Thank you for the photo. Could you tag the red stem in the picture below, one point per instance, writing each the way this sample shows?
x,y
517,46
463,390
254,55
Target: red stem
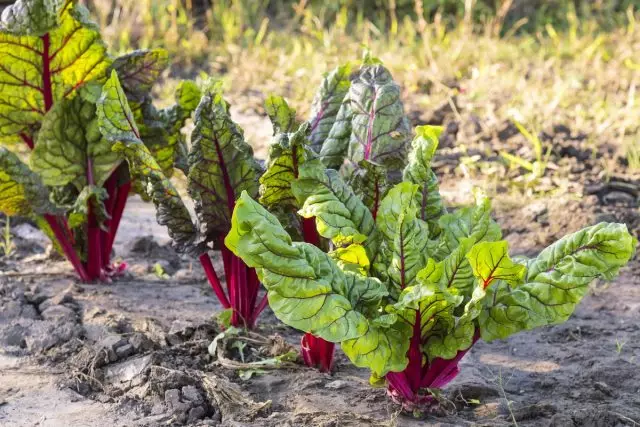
x,y
67,248
122,195
27,140
94,247
316,352
112,190
260,307
213,279
47,90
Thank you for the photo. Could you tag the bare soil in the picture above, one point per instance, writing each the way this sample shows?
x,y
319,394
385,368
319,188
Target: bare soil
x,y
134,352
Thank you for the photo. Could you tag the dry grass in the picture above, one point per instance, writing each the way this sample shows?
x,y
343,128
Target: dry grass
x,y
584,78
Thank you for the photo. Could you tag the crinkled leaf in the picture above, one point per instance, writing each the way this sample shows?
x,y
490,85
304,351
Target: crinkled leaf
x,y
287,154
21,190
93,196
70,147
380,130
352,258
460,336
31,17
490,261
283,117
70,55
326,104
114,116
139,70
473,222
419,171
335,146
340,215
369,182
410,249
306,288
556,280
399,198
383,348
221,166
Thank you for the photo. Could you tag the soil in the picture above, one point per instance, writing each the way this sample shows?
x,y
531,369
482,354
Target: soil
x,y
135,352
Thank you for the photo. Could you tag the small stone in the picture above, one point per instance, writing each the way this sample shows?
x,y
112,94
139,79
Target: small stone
x,y
14,335
29,312
59,313
172,397
129,373
110,344
191,394
124,351
182,327
140,342
336,385
62,297
604,388
196,413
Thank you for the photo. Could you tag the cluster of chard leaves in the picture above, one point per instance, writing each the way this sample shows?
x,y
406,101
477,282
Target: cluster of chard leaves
x,y
53,64
398,267
218,166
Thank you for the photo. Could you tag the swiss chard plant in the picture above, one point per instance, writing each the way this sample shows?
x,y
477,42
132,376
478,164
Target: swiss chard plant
x,y
52,66
408,291
357,125
219,166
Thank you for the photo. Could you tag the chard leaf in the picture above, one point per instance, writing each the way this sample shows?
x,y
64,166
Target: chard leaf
x,y
398,199
326,104
556,280
490,261
383,348
369,182
221,166
70,148
335,146
36,72
21,190
306,288
287,155
139,70
283,117
31,17
419,171
473,222
380,130
117,125
410,249
79,213
460,336
353,258
340,215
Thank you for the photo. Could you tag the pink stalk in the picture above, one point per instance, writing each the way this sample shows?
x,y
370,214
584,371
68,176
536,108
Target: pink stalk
x,y
213,279
111,186
122,195
69,252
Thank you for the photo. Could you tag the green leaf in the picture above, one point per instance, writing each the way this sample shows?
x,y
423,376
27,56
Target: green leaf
x,y
115,122
380,130
70,55
287,155
340,215
21,190
335,146
79,212
459,336
410,249
283,117
306,288
419,171
70,148
327,103
31,17
399,198
473,222
353,258
490,261
115,118
556,280
369,182
139,70
382,348
221,166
